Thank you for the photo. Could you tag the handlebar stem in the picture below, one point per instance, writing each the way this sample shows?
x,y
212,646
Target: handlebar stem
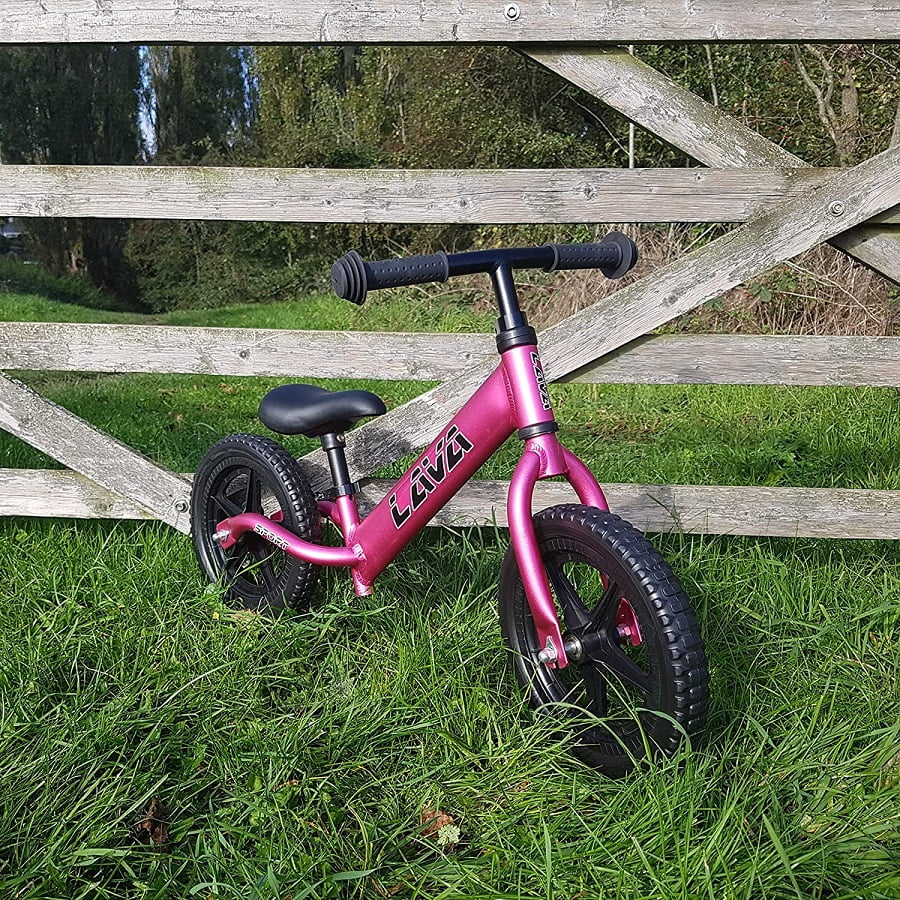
x,y
507,297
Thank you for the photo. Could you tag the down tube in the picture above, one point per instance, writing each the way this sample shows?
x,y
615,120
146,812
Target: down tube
x,y
478,429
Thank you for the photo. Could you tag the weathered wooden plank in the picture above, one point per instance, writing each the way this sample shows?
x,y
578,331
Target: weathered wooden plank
x,y
693,509
237,351
660,359
666,109
407,196
430,21
62,494
782,512
769,238
73,442
749,359
656,102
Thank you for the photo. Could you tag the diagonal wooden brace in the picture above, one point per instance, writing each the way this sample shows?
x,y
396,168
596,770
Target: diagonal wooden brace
x,y
90,452
766,240
655,102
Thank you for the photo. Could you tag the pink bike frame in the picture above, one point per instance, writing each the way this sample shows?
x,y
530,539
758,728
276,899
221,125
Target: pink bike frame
x,y
514,397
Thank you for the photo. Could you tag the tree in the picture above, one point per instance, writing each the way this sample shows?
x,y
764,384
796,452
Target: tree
x,y
836,94
73,105
197,99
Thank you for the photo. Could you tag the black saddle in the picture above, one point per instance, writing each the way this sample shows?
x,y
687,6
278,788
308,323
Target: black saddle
x,y
314,411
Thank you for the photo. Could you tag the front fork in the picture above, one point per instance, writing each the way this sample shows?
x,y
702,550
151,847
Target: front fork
x,y
544,457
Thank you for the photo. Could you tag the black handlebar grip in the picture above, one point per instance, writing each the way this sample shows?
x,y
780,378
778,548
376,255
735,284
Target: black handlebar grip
x,y
614,256
348,278
352,278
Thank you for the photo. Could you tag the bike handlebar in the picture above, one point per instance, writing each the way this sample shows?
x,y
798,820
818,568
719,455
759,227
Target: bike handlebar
x,y
352,278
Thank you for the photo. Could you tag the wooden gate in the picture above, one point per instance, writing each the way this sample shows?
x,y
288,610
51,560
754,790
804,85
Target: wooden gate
x,y
785,207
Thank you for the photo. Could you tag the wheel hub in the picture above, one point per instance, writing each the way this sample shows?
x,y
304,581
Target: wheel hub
x,y
581,648
574,647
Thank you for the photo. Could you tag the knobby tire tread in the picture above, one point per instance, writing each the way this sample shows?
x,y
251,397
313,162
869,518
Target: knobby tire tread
x,y
671,608
298,582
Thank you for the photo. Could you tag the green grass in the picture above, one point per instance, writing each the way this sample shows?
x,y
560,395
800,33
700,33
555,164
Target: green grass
x,y
295,757
32,308
298,754
413,311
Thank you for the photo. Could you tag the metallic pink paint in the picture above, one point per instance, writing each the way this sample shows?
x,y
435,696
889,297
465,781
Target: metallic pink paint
x,y
485,422
582,479
327,510
627,623
528,556
237,526
514,396
531,403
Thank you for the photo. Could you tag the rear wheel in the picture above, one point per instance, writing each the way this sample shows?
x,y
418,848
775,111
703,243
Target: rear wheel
x,y
249,473
636,682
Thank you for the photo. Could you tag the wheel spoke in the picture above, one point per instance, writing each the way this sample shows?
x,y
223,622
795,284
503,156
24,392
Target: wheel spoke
x,y
265,556
233,563
623,666
595,685
229,507
575,613
252,499
603,615
268,576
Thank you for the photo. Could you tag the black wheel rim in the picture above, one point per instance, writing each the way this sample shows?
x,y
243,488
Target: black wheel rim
x,y
252,568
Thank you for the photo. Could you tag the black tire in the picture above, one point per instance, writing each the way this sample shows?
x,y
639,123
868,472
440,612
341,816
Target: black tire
x,y
657,691
249,473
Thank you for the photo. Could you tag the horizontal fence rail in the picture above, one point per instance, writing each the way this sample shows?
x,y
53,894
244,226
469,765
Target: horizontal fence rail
x,y
659,359
435,21
683,359
518,196
691,509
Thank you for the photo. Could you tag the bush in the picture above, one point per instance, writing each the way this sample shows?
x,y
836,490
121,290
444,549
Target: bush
x,y
22,277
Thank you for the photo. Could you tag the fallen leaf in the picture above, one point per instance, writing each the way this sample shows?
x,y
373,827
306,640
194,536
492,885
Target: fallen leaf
x,y
294,782
442,827
434,820
153,828
400,885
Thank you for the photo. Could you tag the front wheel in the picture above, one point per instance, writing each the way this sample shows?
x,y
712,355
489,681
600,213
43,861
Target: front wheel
x,y
636,682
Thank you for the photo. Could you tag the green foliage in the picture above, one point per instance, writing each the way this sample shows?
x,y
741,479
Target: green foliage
x,y
198,100
21,277
763,86
73,105
190,265
69,104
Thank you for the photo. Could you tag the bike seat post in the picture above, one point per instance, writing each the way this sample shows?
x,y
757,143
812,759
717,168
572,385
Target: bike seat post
x,y
333,445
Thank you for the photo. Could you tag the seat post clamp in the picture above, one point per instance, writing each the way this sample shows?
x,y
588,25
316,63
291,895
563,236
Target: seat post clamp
x,y
345,490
